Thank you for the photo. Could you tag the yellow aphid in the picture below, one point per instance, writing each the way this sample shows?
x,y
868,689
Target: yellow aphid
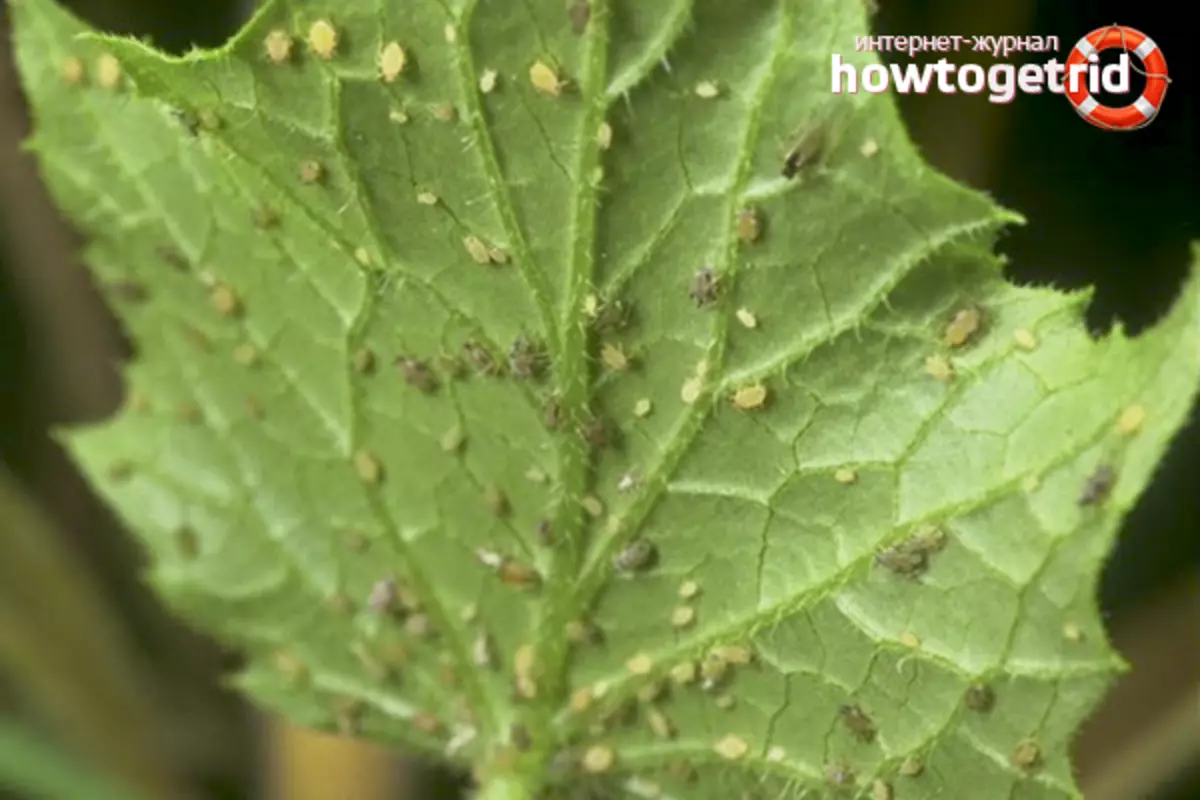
x,y
431,199
452,439
643,407
477,249
909,639
604,136
1072,632
726,702
776,754
707,90
939,368
398,116
598,759
881,790
660,724
545,79
641,664
869,148
487,81
691,389
523,661
246,355
581,699
593,505
683,616
614,357
362,256
73,70
749,226
1025,339
750,397
535,475
108,71
391,61
278,45
225,300
684,673
369,470
1030,483
845,476
689,589
747,318
734,654
1131,420
450,33
731,747
323,39
964,326
1027,756
311,172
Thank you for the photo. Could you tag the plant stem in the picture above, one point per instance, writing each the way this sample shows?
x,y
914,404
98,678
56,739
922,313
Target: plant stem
x,y
504,787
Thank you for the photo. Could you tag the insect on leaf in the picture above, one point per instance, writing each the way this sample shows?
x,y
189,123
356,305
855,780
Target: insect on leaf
x,y
446,223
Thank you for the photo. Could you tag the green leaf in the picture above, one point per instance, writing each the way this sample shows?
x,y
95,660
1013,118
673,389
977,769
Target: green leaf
x,y
30,765
301,228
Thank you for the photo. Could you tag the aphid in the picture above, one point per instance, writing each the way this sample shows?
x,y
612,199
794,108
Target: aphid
x,y
1097,488
581,699
643,407
614,357
417,374
660,724
845,476
363,361
523,665
445,112
348,717
516,573
641,664
311,172
651,691
108,71
911,767
129,291
369,470
909,639
735,654
604,136
383,596
226,301
776,754
427,198
278,46
427,723
705,287
545,533
964,326
1027,756
881,790
480,358
391,61
418,626
1131,420
322,39
189,412
749,398
73,71
683,673
731,748
747,318
265,217
911,556
804,152
246,355
595,432
626,483
638,555
593,505
726,702
186,120
186,543
691,390
1025,339
545,79
749,227
713,670
521,738
598,758
858,722
496,501
839,775
980,697
172,256
450,33
525,359
689,589
579,12
1072,632
869,148
477,249
707,90
611,316
487,81
939,368
552,413
452,440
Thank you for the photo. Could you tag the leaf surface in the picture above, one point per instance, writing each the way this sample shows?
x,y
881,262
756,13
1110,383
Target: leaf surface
x,y
295,247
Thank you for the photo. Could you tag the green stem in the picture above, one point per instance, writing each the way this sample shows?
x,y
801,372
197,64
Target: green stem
x,y
504,787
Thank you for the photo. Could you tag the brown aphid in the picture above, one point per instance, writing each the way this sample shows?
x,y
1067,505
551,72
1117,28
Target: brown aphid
x,y
713,671
637,556
516,573
1098,486
806,150
861,725
579,12
481,358
382,598
749,225
1027,756
552,413
615,315
417,374
427,723
965,325
526,359
595,432
980,698
705,287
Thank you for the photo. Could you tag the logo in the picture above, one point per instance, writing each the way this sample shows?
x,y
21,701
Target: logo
x,y
1085,54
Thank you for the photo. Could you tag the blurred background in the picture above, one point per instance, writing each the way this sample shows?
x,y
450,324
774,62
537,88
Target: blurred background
x,y
90,661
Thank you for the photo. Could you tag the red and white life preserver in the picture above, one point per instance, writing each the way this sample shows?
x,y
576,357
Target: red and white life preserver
x,y
1142,110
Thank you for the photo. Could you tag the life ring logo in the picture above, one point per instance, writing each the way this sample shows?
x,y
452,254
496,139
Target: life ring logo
x,y
1084,56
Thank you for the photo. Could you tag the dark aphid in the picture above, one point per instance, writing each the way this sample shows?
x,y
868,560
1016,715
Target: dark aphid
x,y
525,358
612,316
383,596
129,291
1097,487
595,432
552,413
265,217
480,358
544,533
187,120
858,722
980,697
579,12
804,152
911,556
520,737
637,556
173,257
705,287
417,374
1027,756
